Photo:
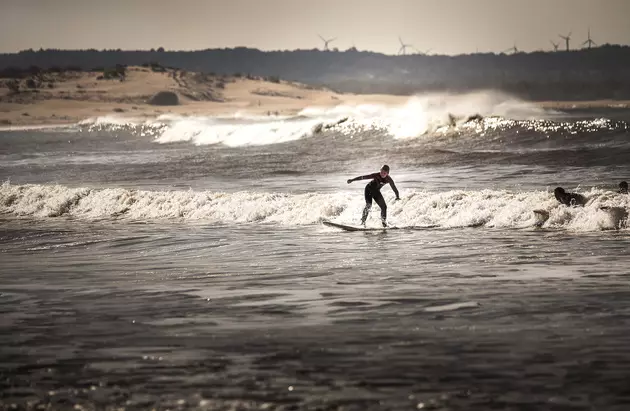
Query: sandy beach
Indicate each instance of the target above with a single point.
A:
(74, 96)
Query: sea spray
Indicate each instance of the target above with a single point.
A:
(446, 209)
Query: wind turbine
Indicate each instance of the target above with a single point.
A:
(327, 41)
(555, 45)
(403, 47)
(566, 38)
(590, 41)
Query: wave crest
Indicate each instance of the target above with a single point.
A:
(450, 209)
(419, 116)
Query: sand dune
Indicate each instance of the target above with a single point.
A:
(78, 95)
(73, 96)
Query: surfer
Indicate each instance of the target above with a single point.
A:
(373, 192)
(569, 199)
(623, 188)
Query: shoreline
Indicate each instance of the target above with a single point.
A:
(70, 98)
(59, 113)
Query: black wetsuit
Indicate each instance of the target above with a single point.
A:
(373, 192)
(571, 199)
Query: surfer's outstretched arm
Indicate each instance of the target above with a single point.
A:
(365, 177)
(393, 186)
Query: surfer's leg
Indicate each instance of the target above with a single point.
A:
(381, 203)
(368, 204)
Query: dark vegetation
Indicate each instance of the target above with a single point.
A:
(598, 73)
(164, 98)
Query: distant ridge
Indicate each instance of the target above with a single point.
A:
(597, 73)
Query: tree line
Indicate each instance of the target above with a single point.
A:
(596, 73)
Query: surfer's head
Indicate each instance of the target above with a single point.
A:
(623, 187)
(385, 171)
(558, 192)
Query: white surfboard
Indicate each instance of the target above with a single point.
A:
(347, 227)
(541, 217)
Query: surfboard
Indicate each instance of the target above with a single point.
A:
(355, 227)
(541, 217)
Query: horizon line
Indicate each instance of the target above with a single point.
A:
(315, 49)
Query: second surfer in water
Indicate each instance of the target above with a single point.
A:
(373, 192)
(569, 199)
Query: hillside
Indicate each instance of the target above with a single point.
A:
(587, 74)
(71, 96)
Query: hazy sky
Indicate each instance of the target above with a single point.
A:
(445, 26)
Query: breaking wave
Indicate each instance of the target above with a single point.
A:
(419, 116)
(449, 209)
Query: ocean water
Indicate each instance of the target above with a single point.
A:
(181, 263)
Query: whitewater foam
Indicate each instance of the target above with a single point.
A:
(429, 113)
(450, 209)
(207, 131)
(420, 116)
